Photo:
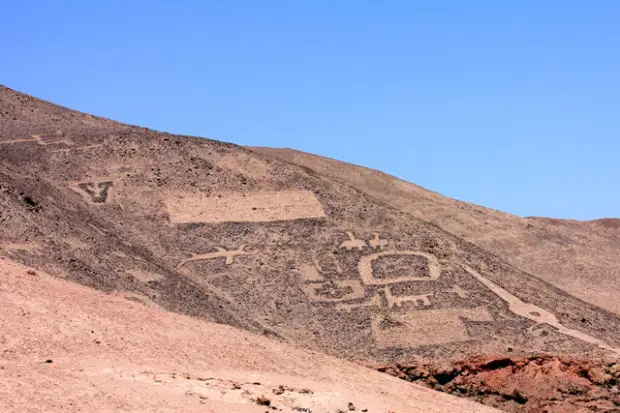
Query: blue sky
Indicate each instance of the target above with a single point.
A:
(514, 105)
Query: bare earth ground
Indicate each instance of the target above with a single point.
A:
(68, 348)
(307, 251)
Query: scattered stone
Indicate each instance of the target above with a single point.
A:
(523, 384)
(351, 406)
(598, 376)
(263, 401)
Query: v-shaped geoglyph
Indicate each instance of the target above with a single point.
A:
(96, 191)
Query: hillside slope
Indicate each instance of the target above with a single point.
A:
(581, 258)
(217, 231)
(68, 348)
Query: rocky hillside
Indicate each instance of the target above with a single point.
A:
(344, 261)
(580, 257)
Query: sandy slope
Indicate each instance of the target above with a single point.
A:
(109, 353)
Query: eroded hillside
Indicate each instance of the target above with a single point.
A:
(68, 348)
(294, 250)
(214, 230)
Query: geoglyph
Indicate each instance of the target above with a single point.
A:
(26, 247)
(535, 313)
(334, 291)
(253, 207)
(220, 252)
(418, 324)
(353, 243)
(38, 140)
(417, 328)
(96, 192)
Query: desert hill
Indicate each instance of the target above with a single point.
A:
(221, 232)
(580, 257)
(69, 348)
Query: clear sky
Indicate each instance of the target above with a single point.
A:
(514, 105)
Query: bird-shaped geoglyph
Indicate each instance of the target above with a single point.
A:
(220, 253)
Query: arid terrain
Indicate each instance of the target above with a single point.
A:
(307, 252)
(524, 384)
(68, 348)
(580, 257)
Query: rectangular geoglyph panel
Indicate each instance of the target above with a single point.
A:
(428, 327)
(256, 207)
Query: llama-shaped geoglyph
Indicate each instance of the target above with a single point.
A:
(392, 301)
(353, 242)
(421, 300)
(377, 243)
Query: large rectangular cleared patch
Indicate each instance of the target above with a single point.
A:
(430, 327)
(255, 207)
